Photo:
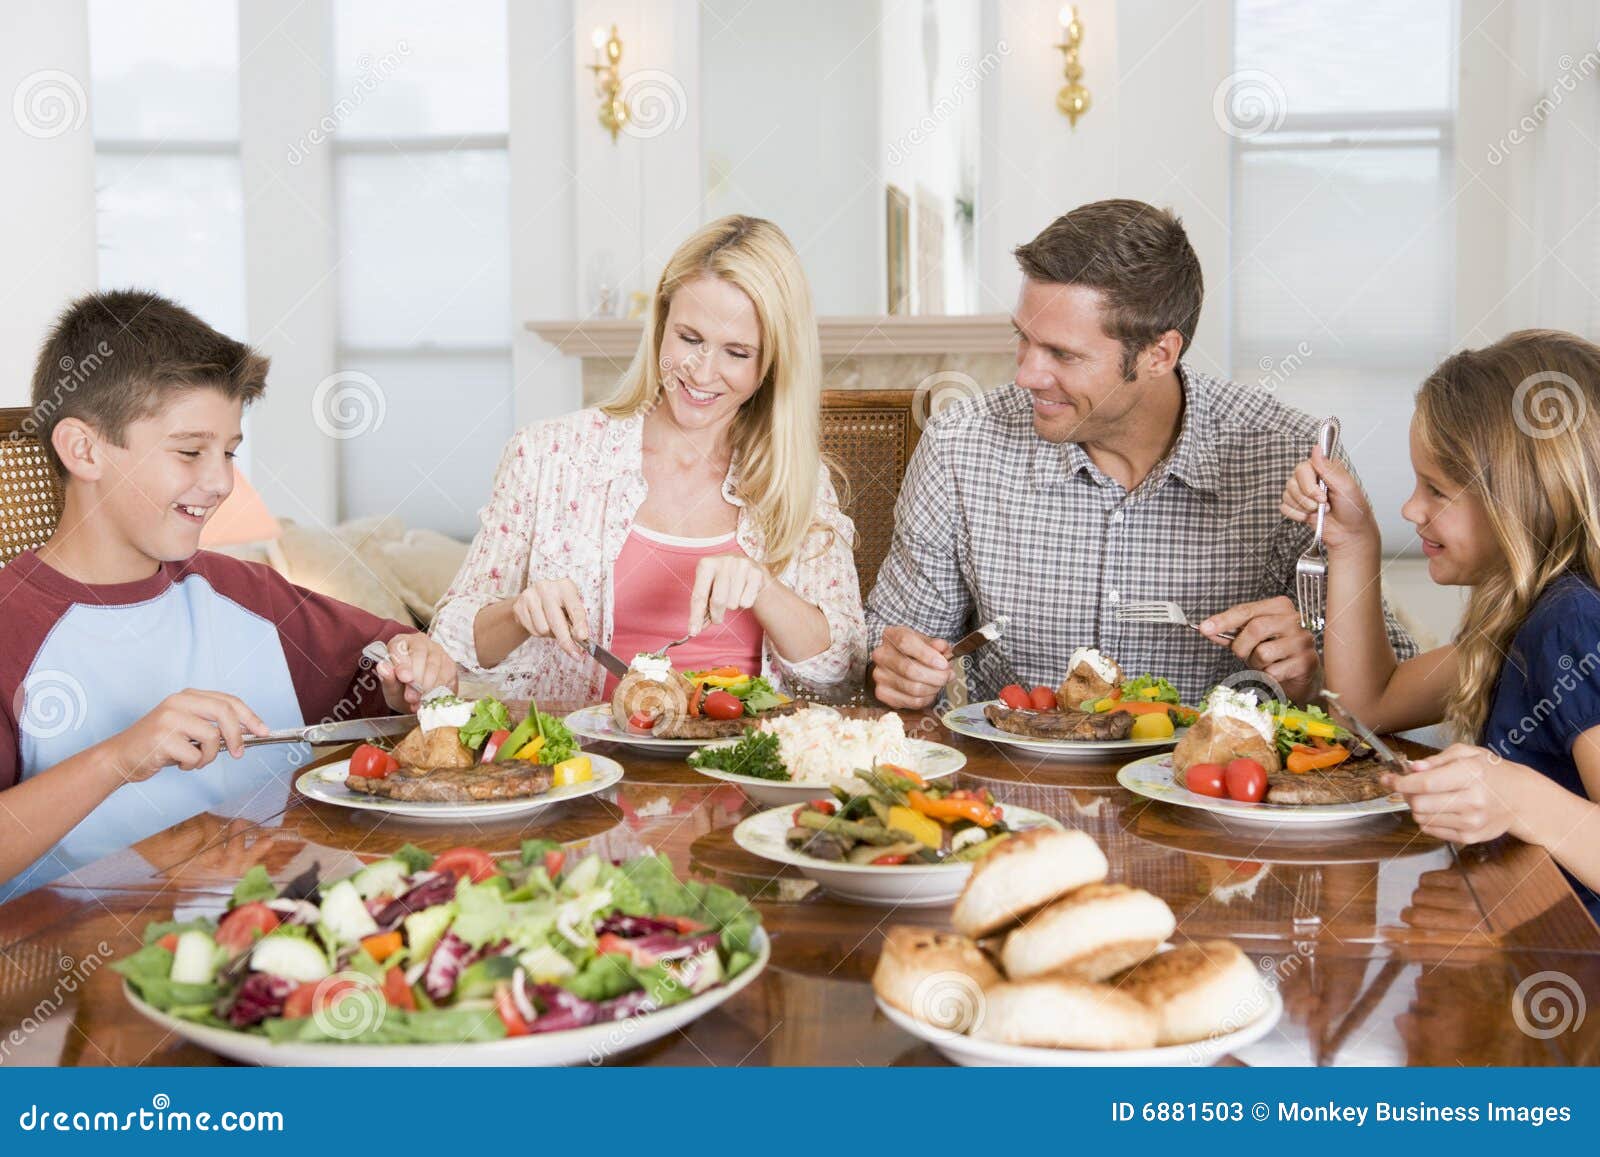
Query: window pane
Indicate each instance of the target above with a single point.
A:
(417, 67)
(175, 224)
(164, 69)
(425, 248)
(444, 422)
(1348, 249)
(1345, 56)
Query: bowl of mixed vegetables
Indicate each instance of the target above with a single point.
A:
(546, 958)
(903, 841)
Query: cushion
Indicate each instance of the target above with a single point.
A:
(330, 563)
(423, 562)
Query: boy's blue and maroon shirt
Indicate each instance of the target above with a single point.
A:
(80, 663)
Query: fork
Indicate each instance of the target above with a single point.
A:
(1159, 612)
(1311, 568)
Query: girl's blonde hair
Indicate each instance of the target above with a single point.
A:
(776, 433)
(1517, 424)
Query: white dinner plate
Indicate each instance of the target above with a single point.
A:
(598, 723)
(326, 785)
(1154, 777)
(967, 1050)
(930, 760)
(577, 1046)
(898, 885)
(968, 720)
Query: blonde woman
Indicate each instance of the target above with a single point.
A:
(1505, 444)
(693, 502)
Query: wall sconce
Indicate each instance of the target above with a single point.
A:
(614, 111)
(1073, 99)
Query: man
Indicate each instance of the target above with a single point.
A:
(1108, 473)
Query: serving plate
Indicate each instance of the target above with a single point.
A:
(326, 785)
(1155, 778)
(599, 724)
(930, 760)
(968, 720)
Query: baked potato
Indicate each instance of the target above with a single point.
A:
(433, 750)
(1218, 739)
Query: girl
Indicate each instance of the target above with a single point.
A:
(1505, 443)
(693, 503)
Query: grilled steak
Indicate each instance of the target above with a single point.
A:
(1353, 780)
(701, 727)
(517, 779)
(1082, 725)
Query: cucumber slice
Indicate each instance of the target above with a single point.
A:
(345, 915)
(382, 877)
(291, 957)
(194, 961)
(424, 928)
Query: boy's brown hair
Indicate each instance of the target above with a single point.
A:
(1137, 256)
(113, 357)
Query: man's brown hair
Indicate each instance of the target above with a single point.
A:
(1140, 260)
(113, 357)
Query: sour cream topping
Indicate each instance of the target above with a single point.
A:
(1226, 703)
(442, 709)
(1097, 662)
(656, 667)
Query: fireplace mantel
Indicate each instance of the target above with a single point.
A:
(615, 339)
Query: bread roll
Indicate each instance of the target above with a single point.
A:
(1091, 934)
(1022, 874)
(1062, 1013)
(936, 977)
(1197, 991)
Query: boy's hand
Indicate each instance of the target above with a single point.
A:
(418, 665)
(185, 730)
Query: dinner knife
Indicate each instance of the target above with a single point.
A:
(349, 731)
(1386, 754)
(987, 633)
(607, 660)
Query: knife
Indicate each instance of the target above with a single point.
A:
(346, 732)
(987, 633)
(607, 660)
(1386, 754)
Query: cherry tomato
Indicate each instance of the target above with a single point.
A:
(1246, 780)
(641, 721)
(396, 992)
(1013, 696)
(553, 862)
(505, 1006)
(369, 762)
(475, 864)
(825, 806)
(238, 928)
(722, 705)
(1043, 698)
(169, 942)
(1205, 779)
(890, 860)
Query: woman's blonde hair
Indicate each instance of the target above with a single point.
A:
(1517, 424)
(776, 433)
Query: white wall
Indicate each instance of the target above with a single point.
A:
(47, 191)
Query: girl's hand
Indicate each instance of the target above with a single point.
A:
(723, 583)
(1463, 794)
(1349, 521)
(553, 609)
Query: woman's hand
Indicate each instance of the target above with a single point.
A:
(1463, 794)
(1349, 521)
(723, 583)
(553, 609)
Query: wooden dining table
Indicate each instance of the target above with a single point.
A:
(1388, 947)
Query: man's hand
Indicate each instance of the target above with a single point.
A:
(418, 665)
(1268, 636)
(184, 730)
(909, 669)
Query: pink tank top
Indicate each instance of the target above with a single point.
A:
(651, 582)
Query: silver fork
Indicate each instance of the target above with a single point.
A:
(1311, 568)
(1159, 612)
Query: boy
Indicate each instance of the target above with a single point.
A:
(130, 659)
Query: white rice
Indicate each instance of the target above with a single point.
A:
(820, 746)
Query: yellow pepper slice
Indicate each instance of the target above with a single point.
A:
(572, 771)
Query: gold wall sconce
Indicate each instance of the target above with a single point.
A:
(614, 111)
(1073, 99)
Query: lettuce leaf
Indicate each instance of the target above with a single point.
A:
(253, 886)
(1140, 688)
(149, 972)
(392, 1025)
(488, 716)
